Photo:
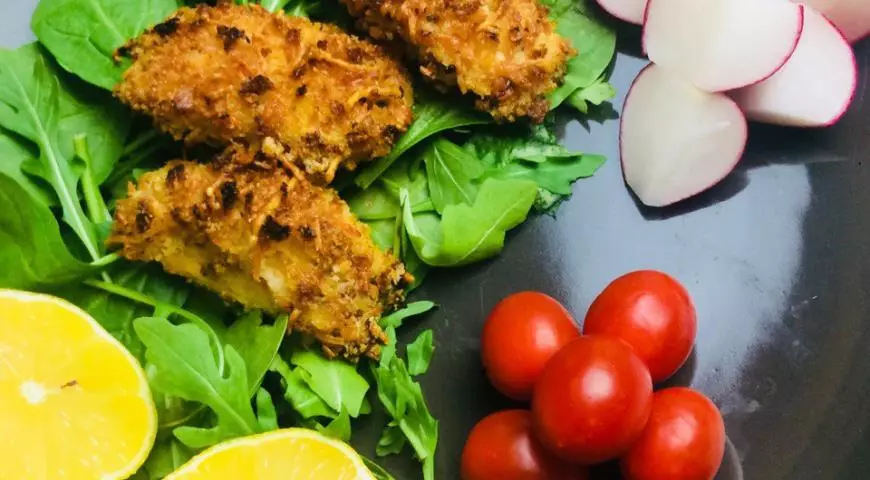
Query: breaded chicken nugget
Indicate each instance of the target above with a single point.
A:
(241, 74)
(267, 240)
(505, 52)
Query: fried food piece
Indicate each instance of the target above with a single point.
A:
(506, 52)
(267, 240)
(235, 73)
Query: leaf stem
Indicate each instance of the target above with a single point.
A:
(165, 307)
(97, 210)
(106, 260)
(137, 143)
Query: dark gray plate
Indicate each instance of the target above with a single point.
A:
(777, 258)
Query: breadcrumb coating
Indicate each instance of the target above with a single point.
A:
(505, 52)
(268, 240)
(240, 74)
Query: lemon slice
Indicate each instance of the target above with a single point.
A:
(74, 404)
(290, 453)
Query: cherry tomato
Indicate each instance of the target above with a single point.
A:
(592, 400)
(684, 439)
(520, 335)
(502, 447)
(653, 313)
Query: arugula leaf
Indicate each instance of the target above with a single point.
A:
(33, 253)
(555, 176)
(594, 41)
(167, 456)
(595, 94)
(471, 233)
(33, 105)
(403, 399)
(335, 381)
(267, 417)
(451, 172)
(301, 397)
(186, 367)
(395, 319)
(84, 34)
(420, 353)
(392, 440)
(433, 113)
(338, 428)
(116, 313)
(257, 343)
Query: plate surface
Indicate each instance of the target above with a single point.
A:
(777, 259)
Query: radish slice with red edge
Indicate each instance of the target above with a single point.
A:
(630, 11)
(675, 140)
(815, 87)
(720, 45)
(852, 17)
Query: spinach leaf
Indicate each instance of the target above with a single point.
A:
(32, 250)
(187, 367)
(594, 41)
(257, 343)
(433, 113)
(471, 233)
(84, 34)
(34, 106)
(451, 172)
(555, 175)
(335, 381)
(14, 157)
(420, 353)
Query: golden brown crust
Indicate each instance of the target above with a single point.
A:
(506, 52)
(268, 240)
(241, 74)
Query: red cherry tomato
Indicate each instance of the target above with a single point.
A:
(520, 335)
(651, 312)
(502, 447)
(592, 400)
(684, 439)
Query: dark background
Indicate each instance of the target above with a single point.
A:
(776, 257)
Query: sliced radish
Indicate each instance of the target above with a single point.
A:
(852, 17)
(720, 45)
(815, 87)
(675, 140)
(628, 10)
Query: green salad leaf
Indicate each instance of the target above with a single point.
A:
(594, 40)
(433, 113)
(34, 105)
(335, 381)
(186, 367)
(452, 172)
(116, 313)
(420, 353)
(84, 34)
(257, 343)
(471, 233)
(33, 253)
(301, 397)
(403, 399)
